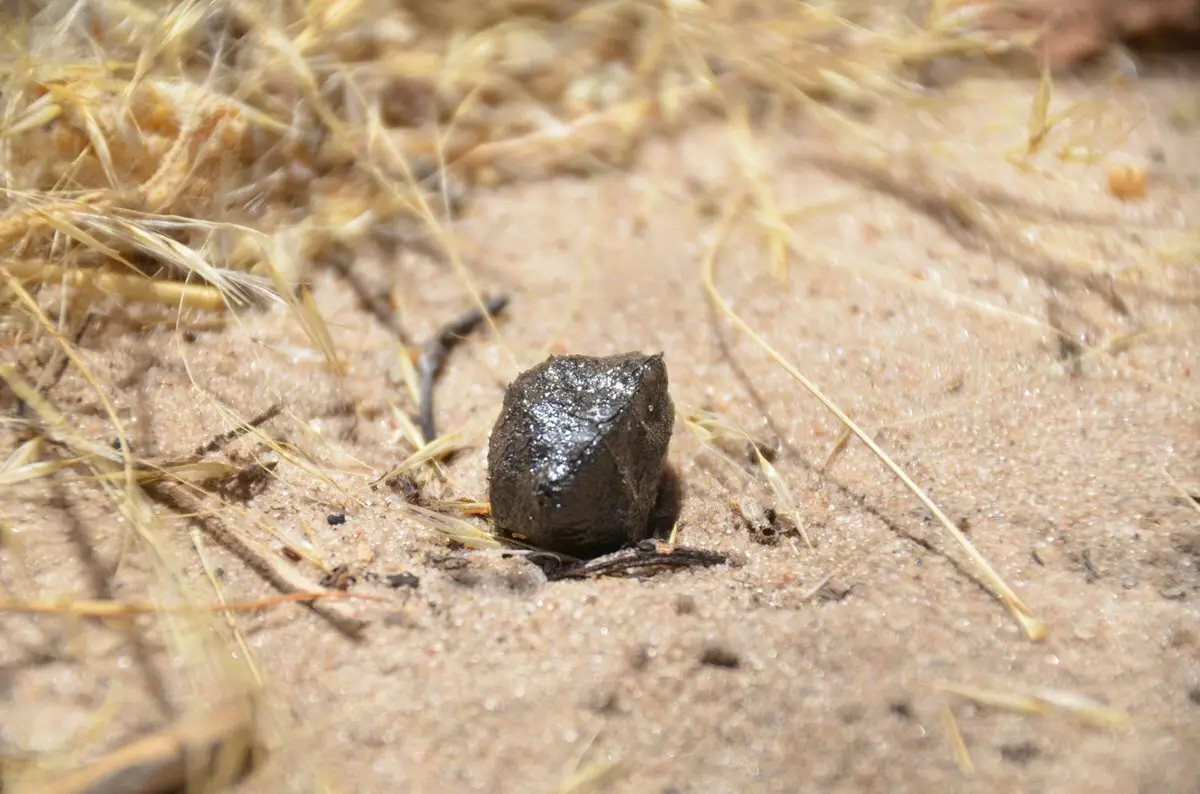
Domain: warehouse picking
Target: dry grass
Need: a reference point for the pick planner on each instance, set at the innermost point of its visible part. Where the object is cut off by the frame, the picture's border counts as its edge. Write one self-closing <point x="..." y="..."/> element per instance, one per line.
<point x="169" y="162"/>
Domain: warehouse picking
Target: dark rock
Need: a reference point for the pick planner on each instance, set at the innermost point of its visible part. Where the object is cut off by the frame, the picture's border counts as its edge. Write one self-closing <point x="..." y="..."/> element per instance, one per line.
<point x="576" y="458"/>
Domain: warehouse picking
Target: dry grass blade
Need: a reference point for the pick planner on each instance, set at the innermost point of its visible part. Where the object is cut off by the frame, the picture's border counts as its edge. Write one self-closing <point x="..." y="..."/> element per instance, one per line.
<point x="1041" y="701"/>
<point x="839" y="446"/>
<point x="192" y="473"/>
<point x="218" y="747"/>
<point x="1190" y="497"/>
<point x="962" y="755"/>
<point x="426" y="453"/>
<point x="136" y="288"/>
<point x="455" y="529"/>
<point x="589" y="777"/>
<point x="282" y="256"/>
<point x="782" y="493"/>
<point x="1039" y="123"/>
<point x="23" y="464"/>
<point x="412" y="383"/>
<point x="41" y="112"/>
<point x="1033" y="628"/>
<point x="26" y="453"/>
<point x="812" y="592"/>
<point x="128" y="610"/>
<point x="708" y="427"/>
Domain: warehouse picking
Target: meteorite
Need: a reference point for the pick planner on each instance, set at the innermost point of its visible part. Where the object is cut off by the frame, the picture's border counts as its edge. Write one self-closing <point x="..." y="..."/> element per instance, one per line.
<point x="577" y="455"/>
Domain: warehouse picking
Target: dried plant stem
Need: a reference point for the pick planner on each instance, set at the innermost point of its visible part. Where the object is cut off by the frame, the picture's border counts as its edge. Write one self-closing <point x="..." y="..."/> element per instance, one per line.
<point x="128" y="610"/>
<point x="216" y="747"/>
<point x="1033" y="628"/>
<point x="961" y="754"/>
<point x="1039" y="700"/>
<point x="138" y="288"/>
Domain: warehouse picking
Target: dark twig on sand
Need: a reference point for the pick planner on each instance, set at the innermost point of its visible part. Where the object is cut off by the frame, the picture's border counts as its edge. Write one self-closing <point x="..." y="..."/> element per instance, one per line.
<point x="646" y="555"/>
<point x="230" y="435"/>
<point x="435" y="352"/>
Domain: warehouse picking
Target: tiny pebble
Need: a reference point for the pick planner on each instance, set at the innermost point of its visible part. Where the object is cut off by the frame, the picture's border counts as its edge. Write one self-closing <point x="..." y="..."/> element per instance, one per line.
<point x="402" y="580"/>
<point x="335" y="519"/>
<point x="720" y="656"/>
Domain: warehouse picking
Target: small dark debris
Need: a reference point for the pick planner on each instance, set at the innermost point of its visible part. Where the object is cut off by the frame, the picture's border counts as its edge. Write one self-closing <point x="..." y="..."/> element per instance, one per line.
<point x="407" y="487"/>
<point x="604" y="700"/>
<point x="964" y="525"/>
<point x="189" y="336"/>
<point x="247" y="483"/>
<point x="902" y="709"/>
<point x="340" y="578"/>
<point x="1021" y="753"/>
<point x="765" y="529"/>
<point x="1085" y="559"/>
<point x="449" y="562"/>
<point x="336" y="519"/>
<point x="720" y="656"/>
<point x="1033" y="555"/>
<point x="640" y="656"/>
<point x="851" y="714"/>
<point x="920" y="541"/>
<point x="1069" y="350"/>
<point x="116" y="444"/>
<point x="834" y="592"/>
<point x="769" y="450"/>
<point x="397" y="580"/>
<point x="290" y="553"/>
<point x="685" y="604"/>
<point x="1194" y="695"/>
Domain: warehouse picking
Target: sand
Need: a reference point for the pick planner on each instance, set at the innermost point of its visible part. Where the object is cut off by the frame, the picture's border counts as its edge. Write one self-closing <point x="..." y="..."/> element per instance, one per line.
<point x="744" y="677"/>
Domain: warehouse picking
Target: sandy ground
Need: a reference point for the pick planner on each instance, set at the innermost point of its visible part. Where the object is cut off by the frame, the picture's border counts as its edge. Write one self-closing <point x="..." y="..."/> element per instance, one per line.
<point x="484" y="677"/>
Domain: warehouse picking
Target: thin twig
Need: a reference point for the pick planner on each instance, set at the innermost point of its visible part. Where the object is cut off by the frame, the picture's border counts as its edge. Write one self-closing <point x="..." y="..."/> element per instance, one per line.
<point x="648" y="554"/>
<point x="127" y="610"/>
<point x="435" y="352"/>
<point x="231" y="435"/>
<point x="1033" y="628"/>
